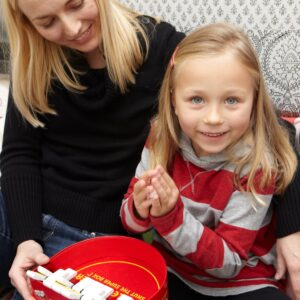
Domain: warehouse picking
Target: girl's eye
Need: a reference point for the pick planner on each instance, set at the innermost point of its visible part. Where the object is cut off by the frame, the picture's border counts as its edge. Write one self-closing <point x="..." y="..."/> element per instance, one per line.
<point x="197" y="100"/>
<point x="231" y="100"/>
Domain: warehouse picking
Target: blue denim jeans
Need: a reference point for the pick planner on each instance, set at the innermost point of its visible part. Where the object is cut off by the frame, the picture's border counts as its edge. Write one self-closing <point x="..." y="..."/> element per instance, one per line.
<point x="56" y="236"/>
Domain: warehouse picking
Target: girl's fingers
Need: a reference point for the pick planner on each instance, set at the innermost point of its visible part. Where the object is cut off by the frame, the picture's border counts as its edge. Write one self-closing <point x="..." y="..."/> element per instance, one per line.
<point x="148" y="175"/>
<point x="151" y="193"/>
<point x="169" y="184"/>
<point x="162" y="188"/>
<point x="139" y="185"/>
<point x="139" y="191"/>
<point x="145" y="205"/>
<point x="168" y="179"/>
<point x="156" y="205"/>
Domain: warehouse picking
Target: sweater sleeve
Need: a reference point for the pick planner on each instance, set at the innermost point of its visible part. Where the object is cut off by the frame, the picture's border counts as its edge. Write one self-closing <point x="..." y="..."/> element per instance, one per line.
<point x="166" y="40"/>
<point x="221" y="251"/>
<point x="288" y="208"/>
<point x="163" y="38"/>
<point x="21" y="183"/>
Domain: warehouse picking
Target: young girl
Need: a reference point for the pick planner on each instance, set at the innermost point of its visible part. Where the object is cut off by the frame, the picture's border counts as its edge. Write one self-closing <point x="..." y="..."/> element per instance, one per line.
<point x="215" y="157"/>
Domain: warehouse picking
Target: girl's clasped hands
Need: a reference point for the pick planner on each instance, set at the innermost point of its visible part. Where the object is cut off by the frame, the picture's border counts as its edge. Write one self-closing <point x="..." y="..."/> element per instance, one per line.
<point x="155" y="194"/>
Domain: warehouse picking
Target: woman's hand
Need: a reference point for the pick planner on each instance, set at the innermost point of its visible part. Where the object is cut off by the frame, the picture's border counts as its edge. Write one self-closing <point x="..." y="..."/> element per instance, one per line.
<point x="29" y="254"/>
<point x="288" y="259"/>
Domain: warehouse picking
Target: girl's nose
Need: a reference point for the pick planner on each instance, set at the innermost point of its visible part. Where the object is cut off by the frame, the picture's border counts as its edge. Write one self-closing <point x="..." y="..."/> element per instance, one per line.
<point x="213" y="116"/>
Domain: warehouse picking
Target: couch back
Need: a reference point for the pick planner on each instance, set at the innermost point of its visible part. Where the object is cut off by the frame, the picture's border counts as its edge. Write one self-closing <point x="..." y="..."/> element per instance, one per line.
<point x="272" y="25"/>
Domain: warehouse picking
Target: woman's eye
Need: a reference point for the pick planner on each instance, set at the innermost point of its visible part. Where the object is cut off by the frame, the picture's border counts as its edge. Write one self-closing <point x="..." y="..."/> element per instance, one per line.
<point x="48" y="24"/>
<point x="231" y="100"/>
<point x="197" y="100"/>
<point x="76" y="4"/>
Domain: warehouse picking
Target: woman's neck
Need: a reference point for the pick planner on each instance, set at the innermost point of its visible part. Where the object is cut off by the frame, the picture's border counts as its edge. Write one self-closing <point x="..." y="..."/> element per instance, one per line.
<point x="95" y="59"/>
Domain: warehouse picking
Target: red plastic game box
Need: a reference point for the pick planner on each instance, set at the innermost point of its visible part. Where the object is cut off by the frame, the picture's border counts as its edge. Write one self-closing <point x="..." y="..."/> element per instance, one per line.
<point x="128" y="265"/>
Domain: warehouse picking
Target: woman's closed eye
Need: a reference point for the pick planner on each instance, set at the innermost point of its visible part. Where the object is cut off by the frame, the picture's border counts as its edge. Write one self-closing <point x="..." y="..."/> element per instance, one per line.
<point x="49" y="23"/>
<point x="76" y="4"/>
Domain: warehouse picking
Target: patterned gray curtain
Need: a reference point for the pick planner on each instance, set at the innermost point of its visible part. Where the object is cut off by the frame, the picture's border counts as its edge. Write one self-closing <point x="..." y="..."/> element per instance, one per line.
<point x="272" y="25"/>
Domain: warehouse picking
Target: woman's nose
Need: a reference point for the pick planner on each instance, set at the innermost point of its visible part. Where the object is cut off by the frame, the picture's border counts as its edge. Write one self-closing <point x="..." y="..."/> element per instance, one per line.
<point x="71" y="27"/>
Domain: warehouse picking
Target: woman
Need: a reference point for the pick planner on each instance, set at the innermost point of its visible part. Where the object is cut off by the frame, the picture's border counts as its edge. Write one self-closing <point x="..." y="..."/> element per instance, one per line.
<point x="85" y="76"/>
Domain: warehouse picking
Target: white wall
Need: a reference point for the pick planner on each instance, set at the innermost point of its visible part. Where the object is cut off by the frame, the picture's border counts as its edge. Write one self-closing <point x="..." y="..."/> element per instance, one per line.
<point x="2" y="32"/>
<point x="4" y="84"/>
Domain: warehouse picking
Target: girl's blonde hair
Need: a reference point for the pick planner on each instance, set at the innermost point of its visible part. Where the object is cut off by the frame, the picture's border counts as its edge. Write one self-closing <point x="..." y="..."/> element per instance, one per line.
<point x="271" y="153"/>
<point x="36" y="61"/>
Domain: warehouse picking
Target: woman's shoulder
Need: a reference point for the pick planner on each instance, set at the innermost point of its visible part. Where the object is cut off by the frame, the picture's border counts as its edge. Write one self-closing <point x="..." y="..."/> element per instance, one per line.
<point x="156" y="28"/>
<point x="147" y="21"/>
<point x="163" y="38"/>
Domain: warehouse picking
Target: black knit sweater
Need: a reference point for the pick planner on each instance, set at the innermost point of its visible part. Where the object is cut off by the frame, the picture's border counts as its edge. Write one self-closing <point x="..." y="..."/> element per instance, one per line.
<point x="288" y="208"/>
<point x="79" y="166"/>
<point x="288" y="205"/>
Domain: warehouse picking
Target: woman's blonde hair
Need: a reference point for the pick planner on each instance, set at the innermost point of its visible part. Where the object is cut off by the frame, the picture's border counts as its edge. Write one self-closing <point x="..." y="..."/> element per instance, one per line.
<point x="271" y="152"/>
<point x="36" y="61"/>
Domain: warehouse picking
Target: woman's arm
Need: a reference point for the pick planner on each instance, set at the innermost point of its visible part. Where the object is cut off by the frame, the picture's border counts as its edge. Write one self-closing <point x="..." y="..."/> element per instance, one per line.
<point x="288" y="228"/>
<point x="21" y="182"/>
<point x="288" y="234"/>
<point x="288" y="259"/>
<point x="21" y="186"/>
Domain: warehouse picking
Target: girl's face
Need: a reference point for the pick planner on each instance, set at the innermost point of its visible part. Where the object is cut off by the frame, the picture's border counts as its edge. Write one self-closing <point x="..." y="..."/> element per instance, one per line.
<point x="71" y="23"/>
<point x="213" y="100"/>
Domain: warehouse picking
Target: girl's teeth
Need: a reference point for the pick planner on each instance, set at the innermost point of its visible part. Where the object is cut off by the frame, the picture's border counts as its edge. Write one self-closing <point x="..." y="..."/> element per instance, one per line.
<point x="213" y="134"/>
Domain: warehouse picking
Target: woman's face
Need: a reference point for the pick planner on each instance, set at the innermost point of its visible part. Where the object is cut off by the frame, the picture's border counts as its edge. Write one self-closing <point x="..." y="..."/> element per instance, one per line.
<point x="70" y="23"/>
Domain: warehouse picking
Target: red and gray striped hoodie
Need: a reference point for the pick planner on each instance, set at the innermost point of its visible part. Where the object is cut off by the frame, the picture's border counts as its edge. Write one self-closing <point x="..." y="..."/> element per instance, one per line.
<point x="216" y="239"/>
